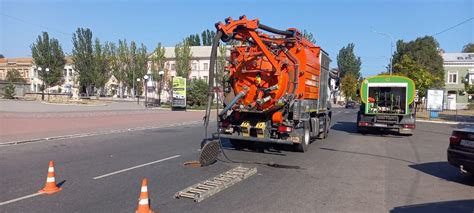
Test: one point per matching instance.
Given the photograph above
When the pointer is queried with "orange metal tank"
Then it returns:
(272, 70)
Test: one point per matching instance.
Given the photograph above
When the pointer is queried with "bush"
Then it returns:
(9, 91)
(197, 93)
(470, 106)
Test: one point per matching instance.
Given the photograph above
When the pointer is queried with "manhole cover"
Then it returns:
(209, 153)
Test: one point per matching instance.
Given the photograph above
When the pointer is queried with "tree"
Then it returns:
(468, 48)
(122, 65)
(197, 93)
(1, 56)
(9, 91)
(193, 40)
(419, 74)
(159, 60)
(349, 86)
(83, 58)
(221, 76)
(47, 53)
(183, 56)
(141, 64)
(347, 62)
(207, 37)
(423, 51)
(14, 76)
(309, 36)
(101, 68)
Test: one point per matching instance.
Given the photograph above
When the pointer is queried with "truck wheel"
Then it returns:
(304, 138)
(324, 133)
(237, 144)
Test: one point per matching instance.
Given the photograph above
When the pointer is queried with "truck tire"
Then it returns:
(304, 138)
(324, 133)
(237, 144)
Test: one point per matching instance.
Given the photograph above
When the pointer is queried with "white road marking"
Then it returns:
(21, 198)
(135, 167)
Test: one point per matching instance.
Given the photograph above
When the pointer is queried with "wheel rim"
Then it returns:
(306, 136)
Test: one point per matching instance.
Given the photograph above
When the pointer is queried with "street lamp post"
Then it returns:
(391, 47)
(146, 89)
(45, 76)
(161, 73)
(138, 95)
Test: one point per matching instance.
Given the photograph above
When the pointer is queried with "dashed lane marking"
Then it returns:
(21, 198)
(135, 167)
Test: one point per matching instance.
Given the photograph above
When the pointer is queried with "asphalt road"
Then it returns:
(347, 172)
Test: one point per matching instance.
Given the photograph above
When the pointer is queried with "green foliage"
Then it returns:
(349, 86)
(423, 51)
(14, 76)
(101, 72)
(83, 57)
(468, 48)
(197, 93)
(9, 91)
(347, 62)
(159, 60)
(193, 40)
(1, 56)
(207, 37)
(419, 74)
(47, 53)
(221, 75)
(183, 55)
(309, 36)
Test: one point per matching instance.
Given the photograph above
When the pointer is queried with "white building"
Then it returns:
(68, 79)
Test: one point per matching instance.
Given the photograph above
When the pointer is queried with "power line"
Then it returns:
(452, 27)
(33, 24)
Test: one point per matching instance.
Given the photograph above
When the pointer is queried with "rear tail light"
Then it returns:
(284, 129)
(456, 137)
(409, 126)
(363, 123)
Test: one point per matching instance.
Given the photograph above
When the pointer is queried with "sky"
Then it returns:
(334, 24)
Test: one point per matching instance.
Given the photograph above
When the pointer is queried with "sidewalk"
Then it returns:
(23, 122)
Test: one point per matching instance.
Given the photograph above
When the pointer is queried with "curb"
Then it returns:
(443, 122)
(42, 102)
(81, 135)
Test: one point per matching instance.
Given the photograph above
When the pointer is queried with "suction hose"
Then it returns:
(210, 92)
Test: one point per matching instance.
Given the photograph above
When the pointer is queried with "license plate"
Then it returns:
(467, 143)
(380, 125)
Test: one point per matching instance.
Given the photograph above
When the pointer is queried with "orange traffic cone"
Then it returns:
(143, 201)
(50, 187)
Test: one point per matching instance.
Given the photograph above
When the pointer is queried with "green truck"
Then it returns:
(387, 103)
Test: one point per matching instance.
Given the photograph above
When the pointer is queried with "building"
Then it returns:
(69, 76)
(22, 65)
(458, 68)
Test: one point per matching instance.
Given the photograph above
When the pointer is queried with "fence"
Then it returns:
(459, 115)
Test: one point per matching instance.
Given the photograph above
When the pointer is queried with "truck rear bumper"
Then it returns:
(263, 140)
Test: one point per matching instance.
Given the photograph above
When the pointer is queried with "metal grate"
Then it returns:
(207, 188)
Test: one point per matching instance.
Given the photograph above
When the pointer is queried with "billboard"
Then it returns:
(179, 92)
(435, 99)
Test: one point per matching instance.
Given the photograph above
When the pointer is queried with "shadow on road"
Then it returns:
(461, 206)
(349, 127)
(444, 171)
(367, 154)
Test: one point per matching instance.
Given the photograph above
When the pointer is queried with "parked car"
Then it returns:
(461, 150)
(351, 104)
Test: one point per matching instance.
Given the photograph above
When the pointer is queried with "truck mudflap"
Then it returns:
(249, 138)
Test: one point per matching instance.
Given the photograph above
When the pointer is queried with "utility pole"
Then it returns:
(391, 47)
